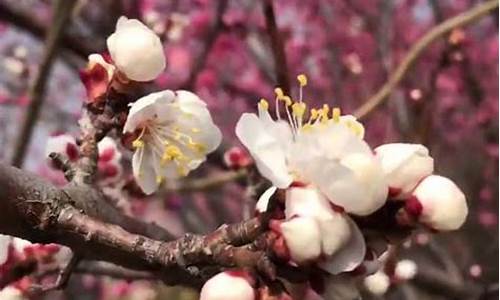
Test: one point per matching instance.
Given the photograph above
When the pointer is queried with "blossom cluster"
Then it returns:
(331, 179)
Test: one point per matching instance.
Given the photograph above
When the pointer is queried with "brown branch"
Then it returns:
(38, 29)
(62, 12)
(37, 211)
(205, 183)
(113, 271)
(416, 50)
(278, 49)
(208, 43)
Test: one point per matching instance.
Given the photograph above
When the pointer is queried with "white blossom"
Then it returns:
(378, 283)
(97, 59)
(227, 286)
(325, 151)
(404, 166)
(444, 206)
(405, 269)
(313, 229)
(175, 133)
(136, 50)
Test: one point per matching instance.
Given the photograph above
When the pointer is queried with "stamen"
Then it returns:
(336, 114)
(159, 179)
(302, 83)
(302, 78)
(138, 143)
(263, 104)
(279, 95)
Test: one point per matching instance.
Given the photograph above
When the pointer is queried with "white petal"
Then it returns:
(444, 204)
(268, 155)
(147, 108)
(369, 175)
(226, 286)
(352, 122)
(303, 239)
(350, 255)
(306, 202)
(136, 50)
(405, 165)
(261, 205)
(98, 59)
(143, 170)
(5, 242)
(335, 232)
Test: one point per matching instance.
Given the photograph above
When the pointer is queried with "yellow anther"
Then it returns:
(307, 127)
(279, 93)
(263, 104)
(302, 79)
(324, 113)
(138, 143)
(171, 152)
(196, 146)
(336, 114)
(287, 100)
(159, 179)
(195, 130)
(314, 114)
(298, 109)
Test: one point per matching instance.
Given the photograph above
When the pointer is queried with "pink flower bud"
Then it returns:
(443, 204)
(64, 144)
(236, 158)
(228, 286)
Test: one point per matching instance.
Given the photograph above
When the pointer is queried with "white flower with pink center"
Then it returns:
(136, 50)
(174, 132)
(326, 151)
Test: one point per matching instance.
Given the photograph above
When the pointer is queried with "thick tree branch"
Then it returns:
(62, 12)
(76, 217)
(414, 53)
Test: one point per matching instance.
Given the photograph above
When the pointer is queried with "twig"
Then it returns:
(280, 63)
(114, 271)
(209, 41)
(445, 27)
(62, 12)
(205, 183)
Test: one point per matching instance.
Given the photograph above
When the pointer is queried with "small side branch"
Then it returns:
(443, 28)
(280, 63)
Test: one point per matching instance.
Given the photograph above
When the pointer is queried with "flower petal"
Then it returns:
(143, 170)
(266, 150)
(350, 255)
(261, 205)
(147, 108)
